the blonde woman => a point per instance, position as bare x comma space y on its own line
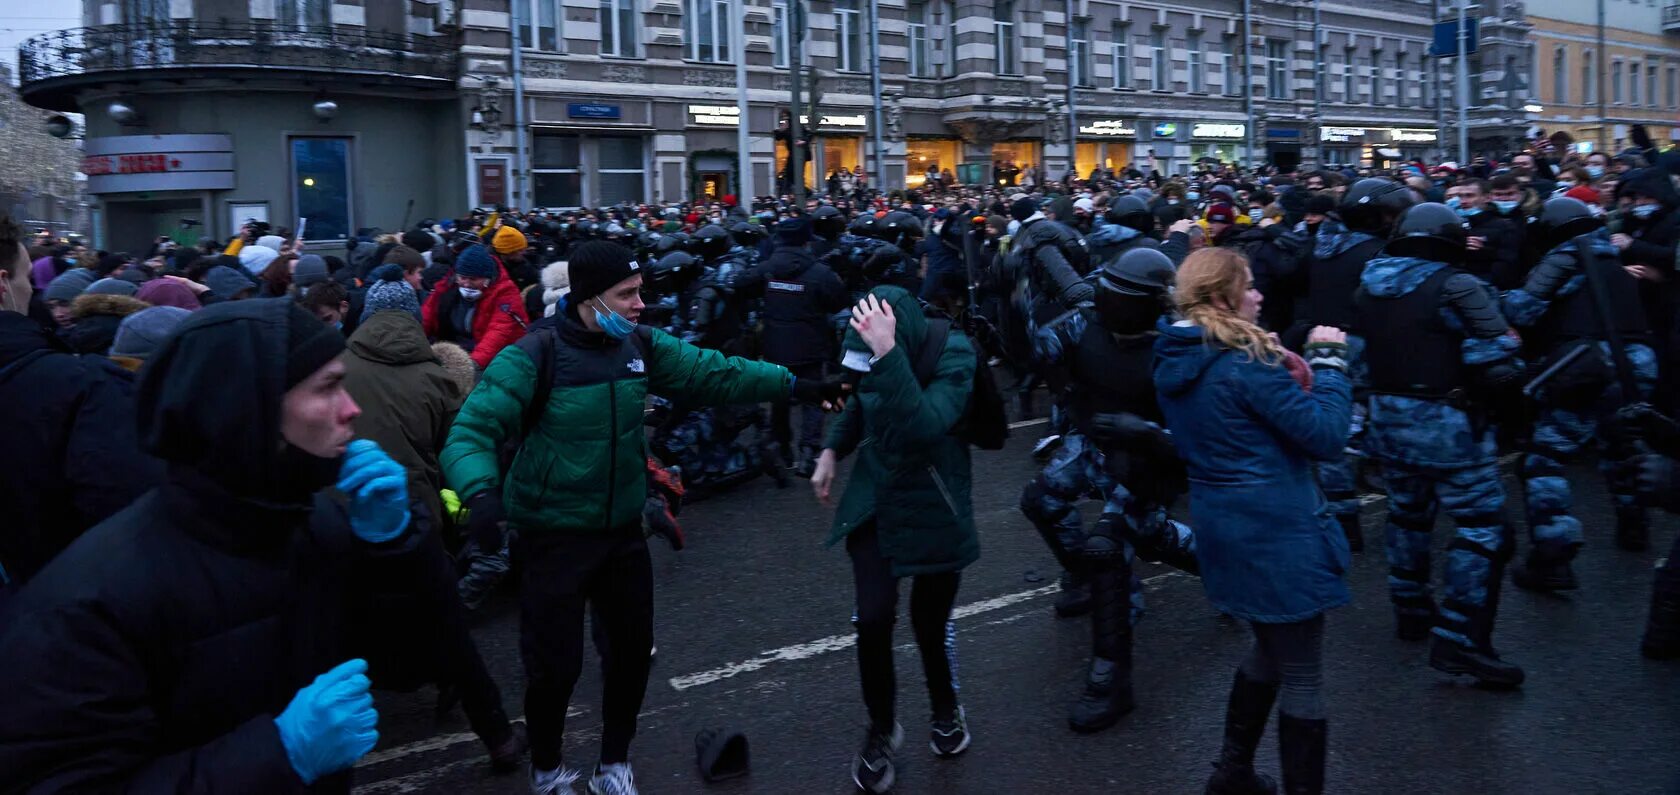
1250, 419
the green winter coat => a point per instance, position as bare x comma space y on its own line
583, 468
912, 475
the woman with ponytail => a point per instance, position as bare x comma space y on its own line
1250, 418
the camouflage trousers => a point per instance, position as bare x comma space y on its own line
1475, 500
1559, 436
715, 446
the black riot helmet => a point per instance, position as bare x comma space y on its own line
675, 241
747, 234
712, 241
1130, 211
1564, 218
899, 228
1132, 290
1371, 205
1430, 231
863, 225
585, 229
671, 273
828, 222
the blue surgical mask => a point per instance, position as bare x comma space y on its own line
1645, 210
1192, 195
612, 323
1505, 208
1454, 202
1469, 212
338, 325
69, 260
1595, 171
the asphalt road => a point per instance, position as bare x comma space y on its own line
753, 634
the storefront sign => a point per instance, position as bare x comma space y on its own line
1109, 128
1275, 132
1340, 135
1417, 136
1209, 129
714, 115
592, 110
1166, 129
857, 120
134, 163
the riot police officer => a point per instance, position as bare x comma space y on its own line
1557, 303
1328, 282
1117, 452
827, 224
1439, 353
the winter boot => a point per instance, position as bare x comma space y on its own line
1350, 527
1413, 618
1537, 573
506, 755
1662, 629
1483, 663
1245, 723
1301, 744
1108, 682
1632, 530
1075, 598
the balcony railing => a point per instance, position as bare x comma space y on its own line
1671, 18
45, 61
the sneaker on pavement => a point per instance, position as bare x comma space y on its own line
553, 782
615, 779
872, 770
950, 735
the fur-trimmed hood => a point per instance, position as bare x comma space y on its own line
556, 283
458, 364
119, 306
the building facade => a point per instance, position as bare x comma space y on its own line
47, 194
1595, 82
201, 114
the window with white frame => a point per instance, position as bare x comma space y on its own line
292, 14
539, 24
1426, 82
708, 30
1350, 92
1651, 84
1193, 61
921, 47
1616, 82
620, 33
1080, 51
1228, 65
1672, 88
1121, 55
1560, 75
1003, 36
1633, 83
1376, 76
848, 32
1158, 59
780, 29
1277, 69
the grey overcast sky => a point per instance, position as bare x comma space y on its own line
20, 19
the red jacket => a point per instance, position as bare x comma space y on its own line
494, 325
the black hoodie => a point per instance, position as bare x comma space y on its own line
800, 295
160, 646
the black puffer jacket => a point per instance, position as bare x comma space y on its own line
154, 654
800, 295
1036, 251
71, 449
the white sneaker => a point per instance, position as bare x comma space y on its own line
613, 780
553, 782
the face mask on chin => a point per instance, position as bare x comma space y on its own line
470, 295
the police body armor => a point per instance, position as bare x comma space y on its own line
1332, 283
1408, 347
1575, 316
1112, 374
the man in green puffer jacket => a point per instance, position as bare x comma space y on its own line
575, 490
906, 512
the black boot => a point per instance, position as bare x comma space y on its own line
1245, 723
1413, 618
1108, 682
1662, 629
1301, 744
1545, 573
1350, 527
1075, 598
1453, 658
1632, 531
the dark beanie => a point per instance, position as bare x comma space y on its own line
1023, 208
311, 270
476, 261
418, 240
794, 231
596, 266
1320, 204
310, 344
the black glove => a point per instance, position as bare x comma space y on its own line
1499, 387
485, 521
1132, 432
1653, 479
1643, 422
819, 390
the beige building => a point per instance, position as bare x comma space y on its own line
1595, 83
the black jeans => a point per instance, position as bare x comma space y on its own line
563, 574
1292, 655
810, 418
931, 599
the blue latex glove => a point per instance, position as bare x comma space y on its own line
378, 490
330, 723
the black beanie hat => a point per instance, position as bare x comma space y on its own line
310, 344
1023, 208
1320, 204
596, 266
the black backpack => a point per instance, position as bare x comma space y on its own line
985, 421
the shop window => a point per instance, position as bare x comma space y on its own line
922, 154
1003, 36
921, 48
619, 29
321, 186
621, 169
1122, 55
1277, 69
557, 174
290, 14
707, 29
1080, 51
1193, 62
539, 24
848, 30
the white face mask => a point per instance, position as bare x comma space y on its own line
470, 295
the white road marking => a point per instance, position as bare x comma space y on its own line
440, 742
